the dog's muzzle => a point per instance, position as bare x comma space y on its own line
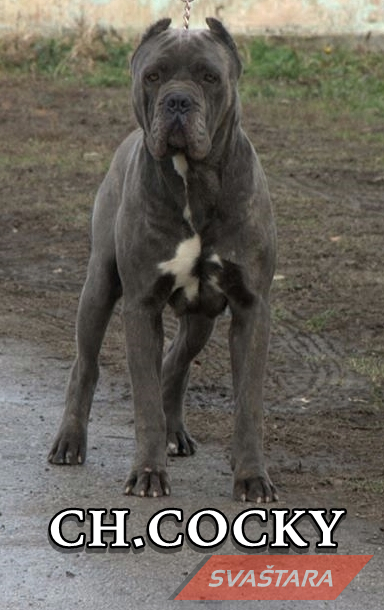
177, 108
179, 123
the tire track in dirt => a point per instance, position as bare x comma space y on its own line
312, 366
305, 369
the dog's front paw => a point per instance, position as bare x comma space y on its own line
180, 443
70, 446
148, 481
254, 488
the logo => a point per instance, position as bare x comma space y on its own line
271, 577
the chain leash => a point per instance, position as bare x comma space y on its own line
187, 13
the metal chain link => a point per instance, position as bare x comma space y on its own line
187, 13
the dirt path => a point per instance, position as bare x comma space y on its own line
324, 401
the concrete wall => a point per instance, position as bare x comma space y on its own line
245, 16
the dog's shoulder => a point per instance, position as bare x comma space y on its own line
129, 146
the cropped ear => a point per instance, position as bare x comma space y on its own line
153, 30
156, 28
217, 28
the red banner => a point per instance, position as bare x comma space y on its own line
272, 577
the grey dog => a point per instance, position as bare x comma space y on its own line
183, 217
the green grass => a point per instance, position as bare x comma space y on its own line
280, 314
371, 366
340, 76
366, 485
319, 322
97, 57
349, 78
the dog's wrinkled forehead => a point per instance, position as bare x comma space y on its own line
186, 47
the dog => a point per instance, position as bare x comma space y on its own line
183, 217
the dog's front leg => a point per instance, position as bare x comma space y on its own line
144, 336
249, 337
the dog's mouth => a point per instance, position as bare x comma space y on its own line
177, 139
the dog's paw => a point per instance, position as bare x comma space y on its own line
148, 481
254, 488
180, 443
69, 447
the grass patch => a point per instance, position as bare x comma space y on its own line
280, 314
96, 56
340, 76
367, 486
369, 366
319, 322
372, 367
349, 78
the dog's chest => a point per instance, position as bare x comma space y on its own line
195, 267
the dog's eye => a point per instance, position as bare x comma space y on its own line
152, 77
210, 78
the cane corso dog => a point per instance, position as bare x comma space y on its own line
182, 217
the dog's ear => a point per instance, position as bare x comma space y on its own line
217, 28
153, 30
156, 28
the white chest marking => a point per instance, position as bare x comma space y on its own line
215, 258
181, 266
180, 164
213, 279
189, 250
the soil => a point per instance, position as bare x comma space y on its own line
323, 398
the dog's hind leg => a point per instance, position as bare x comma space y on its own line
101, 290
194, 332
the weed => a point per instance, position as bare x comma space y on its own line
319, 322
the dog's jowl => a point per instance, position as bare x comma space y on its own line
182, 217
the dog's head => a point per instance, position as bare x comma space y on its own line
185, 88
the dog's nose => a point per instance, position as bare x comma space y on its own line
178, 103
